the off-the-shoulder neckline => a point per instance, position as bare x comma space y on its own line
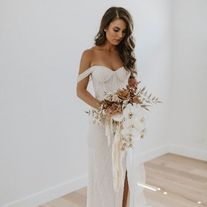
106, 67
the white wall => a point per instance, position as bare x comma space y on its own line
188, 131
43, 125
153, 34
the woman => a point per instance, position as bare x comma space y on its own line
110, 64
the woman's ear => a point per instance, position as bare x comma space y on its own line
106, 28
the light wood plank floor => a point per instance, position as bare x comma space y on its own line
182, 182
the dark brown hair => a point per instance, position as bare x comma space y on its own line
126, 46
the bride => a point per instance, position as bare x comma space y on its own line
109, 64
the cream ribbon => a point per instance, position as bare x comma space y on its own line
117, 153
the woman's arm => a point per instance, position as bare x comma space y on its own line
81, 88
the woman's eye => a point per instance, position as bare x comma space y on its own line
117, 30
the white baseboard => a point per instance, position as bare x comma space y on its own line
49, 194
152, 153
69, 186
188, 151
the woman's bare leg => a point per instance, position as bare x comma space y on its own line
126, 190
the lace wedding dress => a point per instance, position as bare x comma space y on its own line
101, 191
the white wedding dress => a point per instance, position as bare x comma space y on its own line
100, 189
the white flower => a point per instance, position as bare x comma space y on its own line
133, 122
128, 111
139, 110
118, 117
129, 131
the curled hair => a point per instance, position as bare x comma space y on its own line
127, 45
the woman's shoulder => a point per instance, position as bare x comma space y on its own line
86, 59
87, 52
96, 48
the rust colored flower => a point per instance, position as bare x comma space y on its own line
136, 100
123, 94
114, 109
132, 82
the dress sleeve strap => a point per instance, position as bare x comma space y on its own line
84, 74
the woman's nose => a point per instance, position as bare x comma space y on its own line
120, 35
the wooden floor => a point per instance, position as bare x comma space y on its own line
181, 182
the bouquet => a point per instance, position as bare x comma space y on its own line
125, 108
123, 116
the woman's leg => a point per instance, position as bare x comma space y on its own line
126, 190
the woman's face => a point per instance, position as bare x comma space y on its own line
116, 31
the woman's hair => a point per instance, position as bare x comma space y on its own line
126, 46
